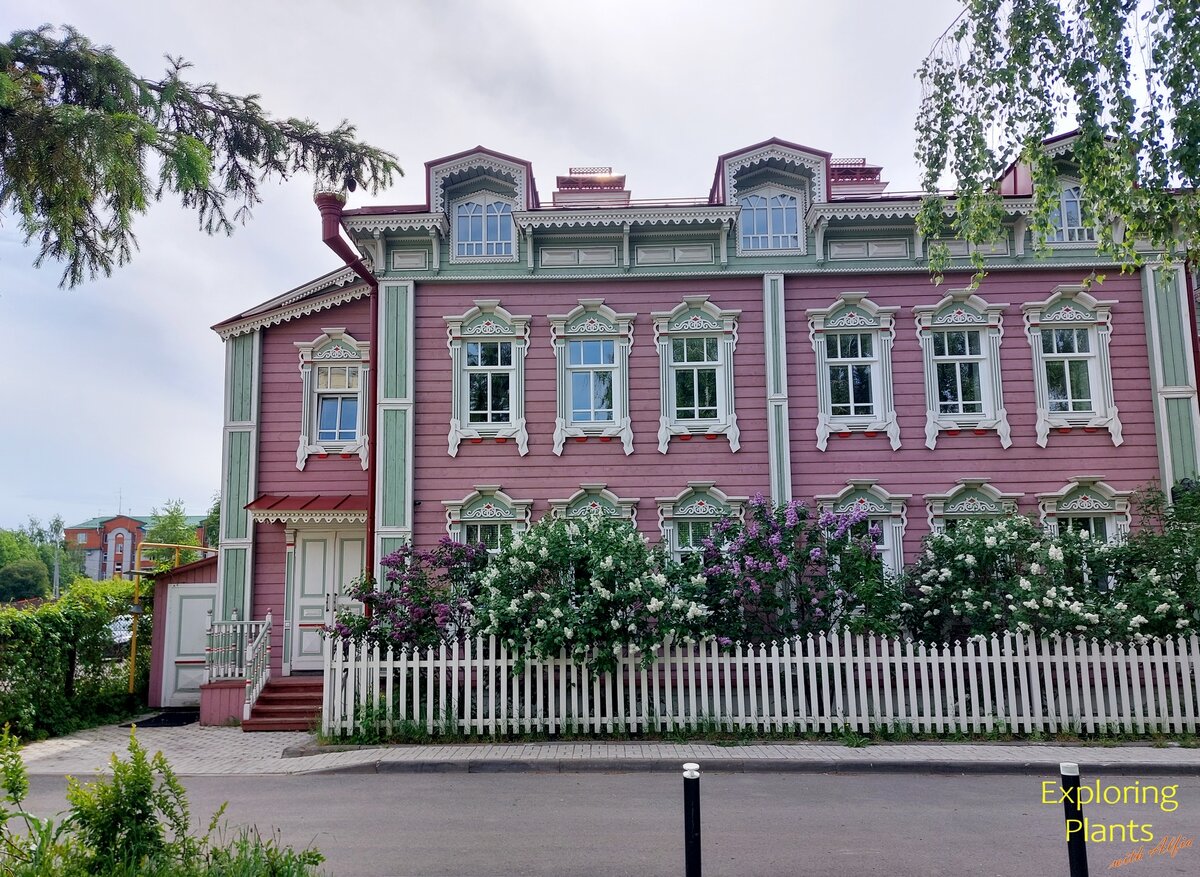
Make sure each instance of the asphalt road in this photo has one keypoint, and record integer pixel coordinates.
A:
(632, 824)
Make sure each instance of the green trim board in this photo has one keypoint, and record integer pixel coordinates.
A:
(233, 582)
(1181, 431)
(393, 425)
(394, 316)
(235, 520)
(241, 378)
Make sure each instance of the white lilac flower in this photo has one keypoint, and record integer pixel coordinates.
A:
(1030, 604)
(517, 541)
(654, 605)
(925, 589)
(1137, 621)
(1076, 607)
(1121, 607)
(944, 576)
(607, 563)
(677, 604)
(1025, 584)
(1046, 601)
(906, 606)
(659, 579)
(556, 612)
(929, 554)
(989, 541)
(513, 606)
(697, 580)
(1091, 618)
(568, 633)
(1084, 535)
(1182, 622)
(632, 628)
(987, 604)
(1052, 593)
(540, 624)
(1154, 577)
(1055, 552)
(543, 552)
(1162, 608)
(1035, 569)
(616, 625)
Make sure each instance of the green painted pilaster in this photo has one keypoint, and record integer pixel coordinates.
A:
(238, 473)
(1172, 373)
(393, 440)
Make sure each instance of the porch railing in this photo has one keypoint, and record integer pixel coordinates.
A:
(240, 650)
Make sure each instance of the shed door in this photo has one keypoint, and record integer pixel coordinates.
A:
(188, 608)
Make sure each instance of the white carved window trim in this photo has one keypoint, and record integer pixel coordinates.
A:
(592, 320)
(699, 502)
(1072, 307)
(853, 311)
(1088, 496)
(889, 509)
(592, 498)
(333, 346)
(769, 191)
(486, 321)
(697, 317)
(972, 498)
(486, 199)
(487, 504)
(961, 310)
(1085, 234)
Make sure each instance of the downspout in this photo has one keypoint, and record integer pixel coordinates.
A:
(330, 204)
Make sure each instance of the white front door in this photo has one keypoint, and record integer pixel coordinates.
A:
(326, 563)
(188, 608)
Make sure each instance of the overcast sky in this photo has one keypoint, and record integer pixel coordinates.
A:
(111, 395)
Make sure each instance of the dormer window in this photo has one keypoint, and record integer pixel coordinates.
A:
(483, 229)
(1069, 218)
(769, 222)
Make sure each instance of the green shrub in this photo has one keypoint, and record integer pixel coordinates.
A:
(57, 670)
(136, 824)
(23, 579)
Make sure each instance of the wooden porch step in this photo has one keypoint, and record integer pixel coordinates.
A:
(290, 703)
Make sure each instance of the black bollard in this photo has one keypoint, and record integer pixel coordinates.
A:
(1073, 810)
(691, 820)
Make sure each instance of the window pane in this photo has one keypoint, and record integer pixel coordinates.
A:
(472, 353)
(973, 343)
(478, 392)
(352, 378)
(695, 349)
(972, 399)
(865, 345)
(947, 387)
(349, 420)
(575, 352)
(831, 346)
(839, 386)
(328, 417)
(862, 389)
(1081, 341)
(1047, 341)
(677, 354)
(581, 388)
(939, 343)
(1064, 340)
(607, 349)
(322, 378)
(685, 393)
(591, 352)
(602, 395)
(489, 354)
(505, 353)
(1081, 393)
(500, 397)
(710, 349)
(957, 342)
(849, 345)
(706, 385)
(1056, 384)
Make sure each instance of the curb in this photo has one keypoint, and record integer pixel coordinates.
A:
(755, 765)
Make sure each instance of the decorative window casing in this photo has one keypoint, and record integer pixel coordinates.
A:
(487, 360)
(1087, 502)
(334, 376)
(960, 343)
(685, 520)
(771, 222)
(482, 229)
(888, 510)
(1071, 222)
(1069, 333)
(595, 498)
(591, 351)
(853, 342)
(970, 499)
(696, 342)
(486, 515)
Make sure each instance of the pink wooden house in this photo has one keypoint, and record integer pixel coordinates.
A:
(488, 357)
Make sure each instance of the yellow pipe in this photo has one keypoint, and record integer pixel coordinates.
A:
(137, 579)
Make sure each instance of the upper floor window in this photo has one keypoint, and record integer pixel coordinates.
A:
(1069, 336)
(483, 229)
(591, 349)
(960, 341)
(853, 342)
(1069, 218)
(334, 375)
(696, 342)
(770, 221)
(487, 359)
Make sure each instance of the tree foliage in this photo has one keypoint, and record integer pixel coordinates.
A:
(1008, 74)
(212, 522)
(82, 137)
(23, 579)
(170, 526)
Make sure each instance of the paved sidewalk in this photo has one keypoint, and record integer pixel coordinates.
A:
(196, 751)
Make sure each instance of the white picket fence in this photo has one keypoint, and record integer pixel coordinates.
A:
(1010, 683)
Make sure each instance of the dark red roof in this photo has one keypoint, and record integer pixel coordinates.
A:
(297, 502)
(167, 575)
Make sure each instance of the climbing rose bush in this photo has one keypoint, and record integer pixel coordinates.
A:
(423, 600)
(782, 572)
(591, 588)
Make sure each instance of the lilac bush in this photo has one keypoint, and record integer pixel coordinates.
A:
(424, 598)
(782, 572)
